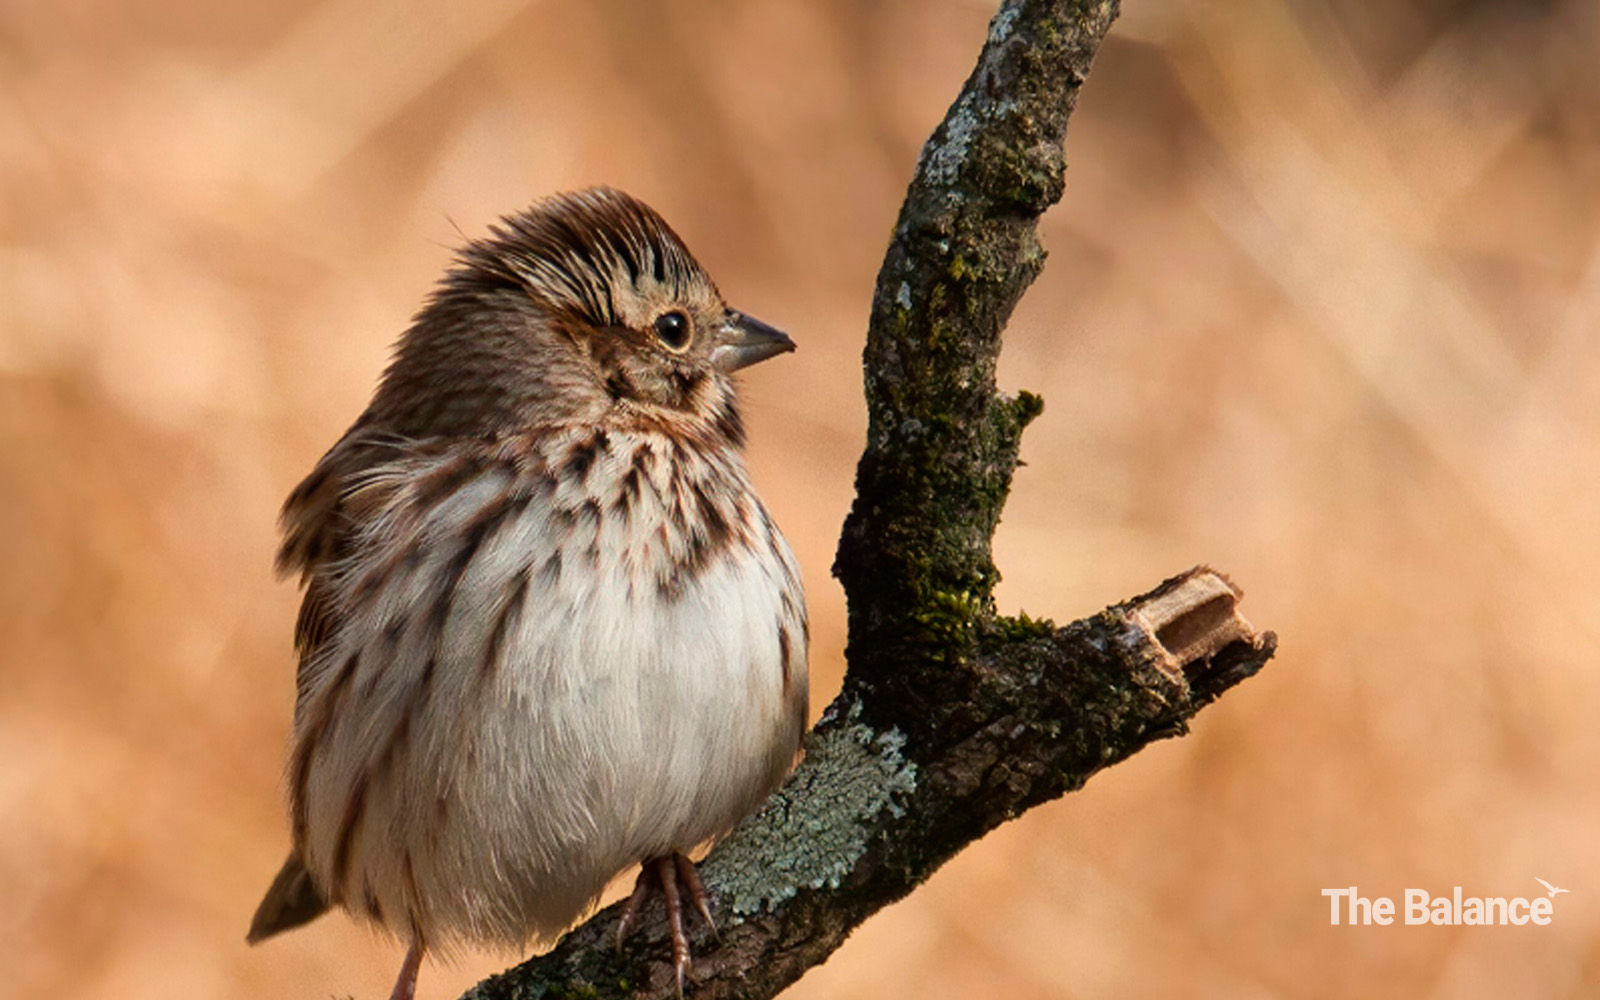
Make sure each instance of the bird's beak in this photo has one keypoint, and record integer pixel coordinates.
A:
(747, 340)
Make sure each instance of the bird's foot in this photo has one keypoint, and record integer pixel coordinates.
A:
(674, 875)
(405, 988)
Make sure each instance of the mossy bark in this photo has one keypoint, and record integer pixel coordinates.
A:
(942, 442)
(953, 719)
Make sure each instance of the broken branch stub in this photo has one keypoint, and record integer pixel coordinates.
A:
(1192, 617)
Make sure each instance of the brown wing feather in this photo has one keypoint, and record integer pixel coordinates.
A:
(316, 530)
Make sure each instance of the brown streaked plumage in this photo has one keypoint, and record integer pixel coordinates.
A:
(549, 630)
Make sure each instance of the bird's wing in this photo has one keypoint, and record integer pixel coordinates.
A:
(1542, 882)
(313, 520)
(315, 531)
(321, 517)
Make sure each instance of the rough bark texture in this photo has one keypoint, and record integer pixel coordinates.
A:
(953, 719)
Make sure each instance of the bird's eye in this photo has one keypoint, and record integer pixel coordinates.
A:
(672, 329)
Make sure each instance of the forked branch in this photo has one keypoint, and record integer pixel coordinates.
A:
(953, 719)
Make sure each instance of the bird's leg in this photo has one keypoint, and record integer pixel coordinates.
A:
(674, 875)
(405, 988)
(668, 873)
(641, 892)
(689, 875)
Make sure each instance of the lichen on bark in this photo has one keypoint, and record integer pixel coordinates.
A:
(810, 834)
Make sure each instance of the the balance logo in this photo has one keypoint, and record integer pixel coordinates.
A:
(1448, 911)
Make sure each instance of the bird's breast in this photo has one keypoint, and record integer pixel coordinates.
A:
(566, 665)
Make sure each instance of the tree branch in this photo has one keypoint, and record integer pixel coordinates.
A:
(953, 719)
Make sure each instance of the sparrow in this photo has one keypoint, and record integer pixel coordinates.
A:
(549, 630)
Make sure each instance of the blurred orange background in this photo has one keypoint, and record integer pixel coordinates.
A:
(1320, 310)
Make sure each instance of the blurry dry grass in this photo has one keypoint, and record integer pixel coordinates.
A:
(1320, 310)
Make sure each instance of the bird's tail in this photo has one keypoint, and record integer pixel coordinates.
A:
(292, 899)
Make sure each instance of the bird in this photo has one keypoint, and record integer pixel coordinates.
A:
(1547, 885)
(549, 630)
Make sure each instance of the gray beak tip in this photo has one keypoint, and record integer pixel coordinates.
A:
(749, 341)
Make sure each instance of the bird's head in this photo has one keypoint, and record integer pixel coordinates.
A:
(586, 307)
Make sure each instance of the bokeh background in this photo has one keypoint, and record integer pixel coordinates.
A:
(1320, 310)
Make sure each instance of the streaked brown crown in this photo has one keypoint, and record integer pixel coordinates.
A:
(578, 249)
(557, 316)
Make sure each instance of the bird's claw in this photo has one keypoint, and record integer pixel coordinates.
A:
(675, 876)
